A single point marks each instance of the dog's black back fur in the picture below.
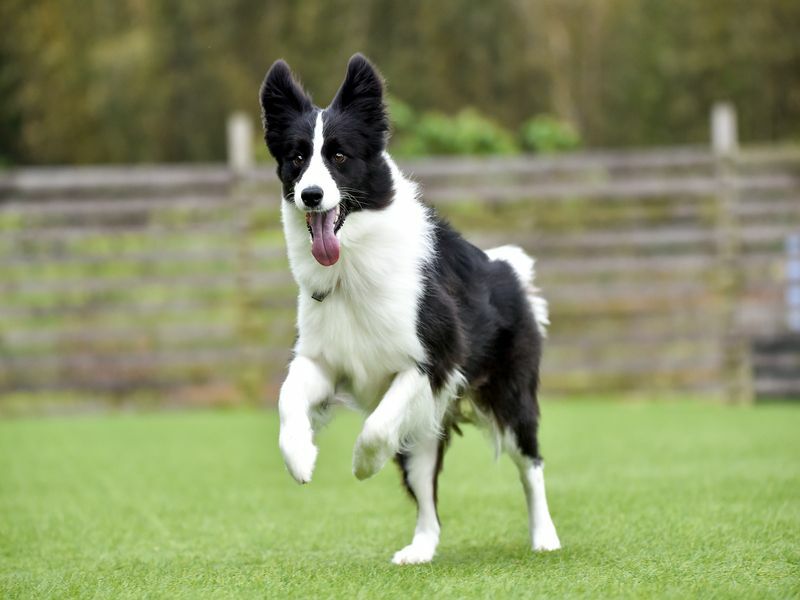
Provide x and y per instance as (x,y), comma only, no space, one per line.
(474,317)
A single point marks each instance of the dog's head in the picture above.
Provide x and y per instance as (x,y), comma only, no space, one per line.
(330,160)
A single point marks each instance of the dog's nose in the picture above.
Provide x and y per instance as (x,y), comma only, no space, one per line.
(312,196)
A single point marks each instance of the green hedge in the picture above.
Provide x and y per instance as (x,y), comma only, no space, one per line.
(472,133)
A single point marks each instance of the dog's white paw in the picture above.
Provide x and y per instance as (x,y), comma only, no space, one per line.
(415,553)
(545,538)
(371,452)
(299,453)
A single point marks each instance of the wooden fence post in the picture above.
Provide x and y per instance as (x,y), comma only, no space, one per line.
(250,377)
(725,145)
(240,143)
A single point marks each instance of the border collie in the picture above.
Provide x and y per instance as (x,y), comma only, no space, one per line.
(398,316)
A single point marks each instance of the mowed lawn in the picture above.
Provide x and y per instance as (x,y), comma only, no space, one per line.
(667,500)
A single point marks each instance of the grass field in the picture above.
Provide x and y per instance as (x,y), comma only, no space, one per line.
(668,500)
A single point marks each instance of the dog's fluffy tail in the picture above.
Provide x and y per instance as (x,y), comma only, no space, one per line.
(523,266)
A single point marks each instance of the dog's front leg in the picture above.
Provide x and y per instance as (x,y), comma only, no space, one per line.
(407,410)
(306,387)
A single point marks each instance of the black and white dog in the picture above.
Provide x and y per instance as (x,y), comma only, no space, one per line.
(398,315)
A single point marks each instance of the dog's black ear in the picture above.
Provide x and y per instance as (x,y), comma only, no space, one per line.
(282,99)
(362,92)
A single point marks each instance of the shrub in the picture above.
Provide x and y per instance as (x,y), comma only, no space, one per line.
(401,115)
(548,134)
(468,132)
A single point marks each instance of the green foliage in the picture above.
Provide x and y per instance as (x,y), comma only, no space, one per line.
(402,116)
(432,133)
(468,132)
(650,501)
(547,134)
(140,81)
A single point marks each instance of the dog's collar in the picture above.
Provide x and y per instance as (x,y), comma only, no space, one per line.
(320,296)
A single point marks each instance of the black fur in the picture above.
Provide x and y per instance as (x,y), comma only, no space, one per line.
(286,113)
(358,108)
(354,124)
(475,317)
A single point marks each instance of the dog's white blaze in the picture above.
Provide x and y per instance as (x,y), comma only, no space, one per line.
(317,173)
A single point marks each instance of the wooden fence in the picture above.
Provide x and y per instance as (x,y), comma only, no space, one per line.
(660,266)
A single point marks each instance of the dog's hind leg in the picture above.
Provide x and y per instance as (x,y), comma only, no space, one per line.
(542,530)
(522,445)
(421,465)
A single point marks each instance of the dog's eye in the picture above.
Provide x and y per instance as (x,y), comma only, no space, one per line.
(339,158)
(297,161)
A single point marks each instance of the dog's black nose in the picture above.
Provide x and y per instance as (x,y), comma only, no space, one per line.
(312,196)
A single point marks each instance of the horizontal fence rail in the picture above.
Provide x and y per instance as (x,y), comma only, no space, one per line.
(655,263)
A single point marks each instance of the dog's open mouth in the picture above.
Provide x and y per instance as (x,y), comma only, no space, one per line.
(323,227)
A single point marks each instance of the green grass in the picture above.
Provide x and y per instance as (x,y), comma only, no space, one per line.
(668,500)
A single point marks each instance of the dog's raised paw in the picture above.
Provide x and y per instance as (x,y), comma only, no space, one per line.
(414,554)
(370,454)
(299,454)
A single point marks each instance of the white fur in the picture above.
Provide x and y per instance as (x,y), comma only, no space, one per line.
(405,412)
(317,174)
(523,266)
(421,466)
(365,331)
(306,387)
(364,334)
(540,524)
(422,455)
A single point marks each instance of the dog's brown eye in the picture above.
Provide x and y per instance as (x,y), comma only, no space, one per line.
(339,158)
(297,161)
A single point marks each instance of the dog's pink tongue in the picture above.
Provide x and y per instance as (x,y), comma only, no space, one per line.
(325,245)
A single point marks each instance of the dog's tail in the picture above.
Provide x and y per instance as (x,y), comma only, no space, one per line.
(523,266)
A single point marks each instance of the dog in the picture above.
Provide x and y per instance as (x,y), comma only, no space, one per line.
(398,316)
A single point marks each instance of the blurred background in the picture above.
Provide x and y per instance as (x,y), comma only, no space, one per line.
(646,153)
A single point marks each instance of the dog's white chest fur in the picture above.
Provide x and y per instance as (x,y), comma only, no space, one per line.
(364,331)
